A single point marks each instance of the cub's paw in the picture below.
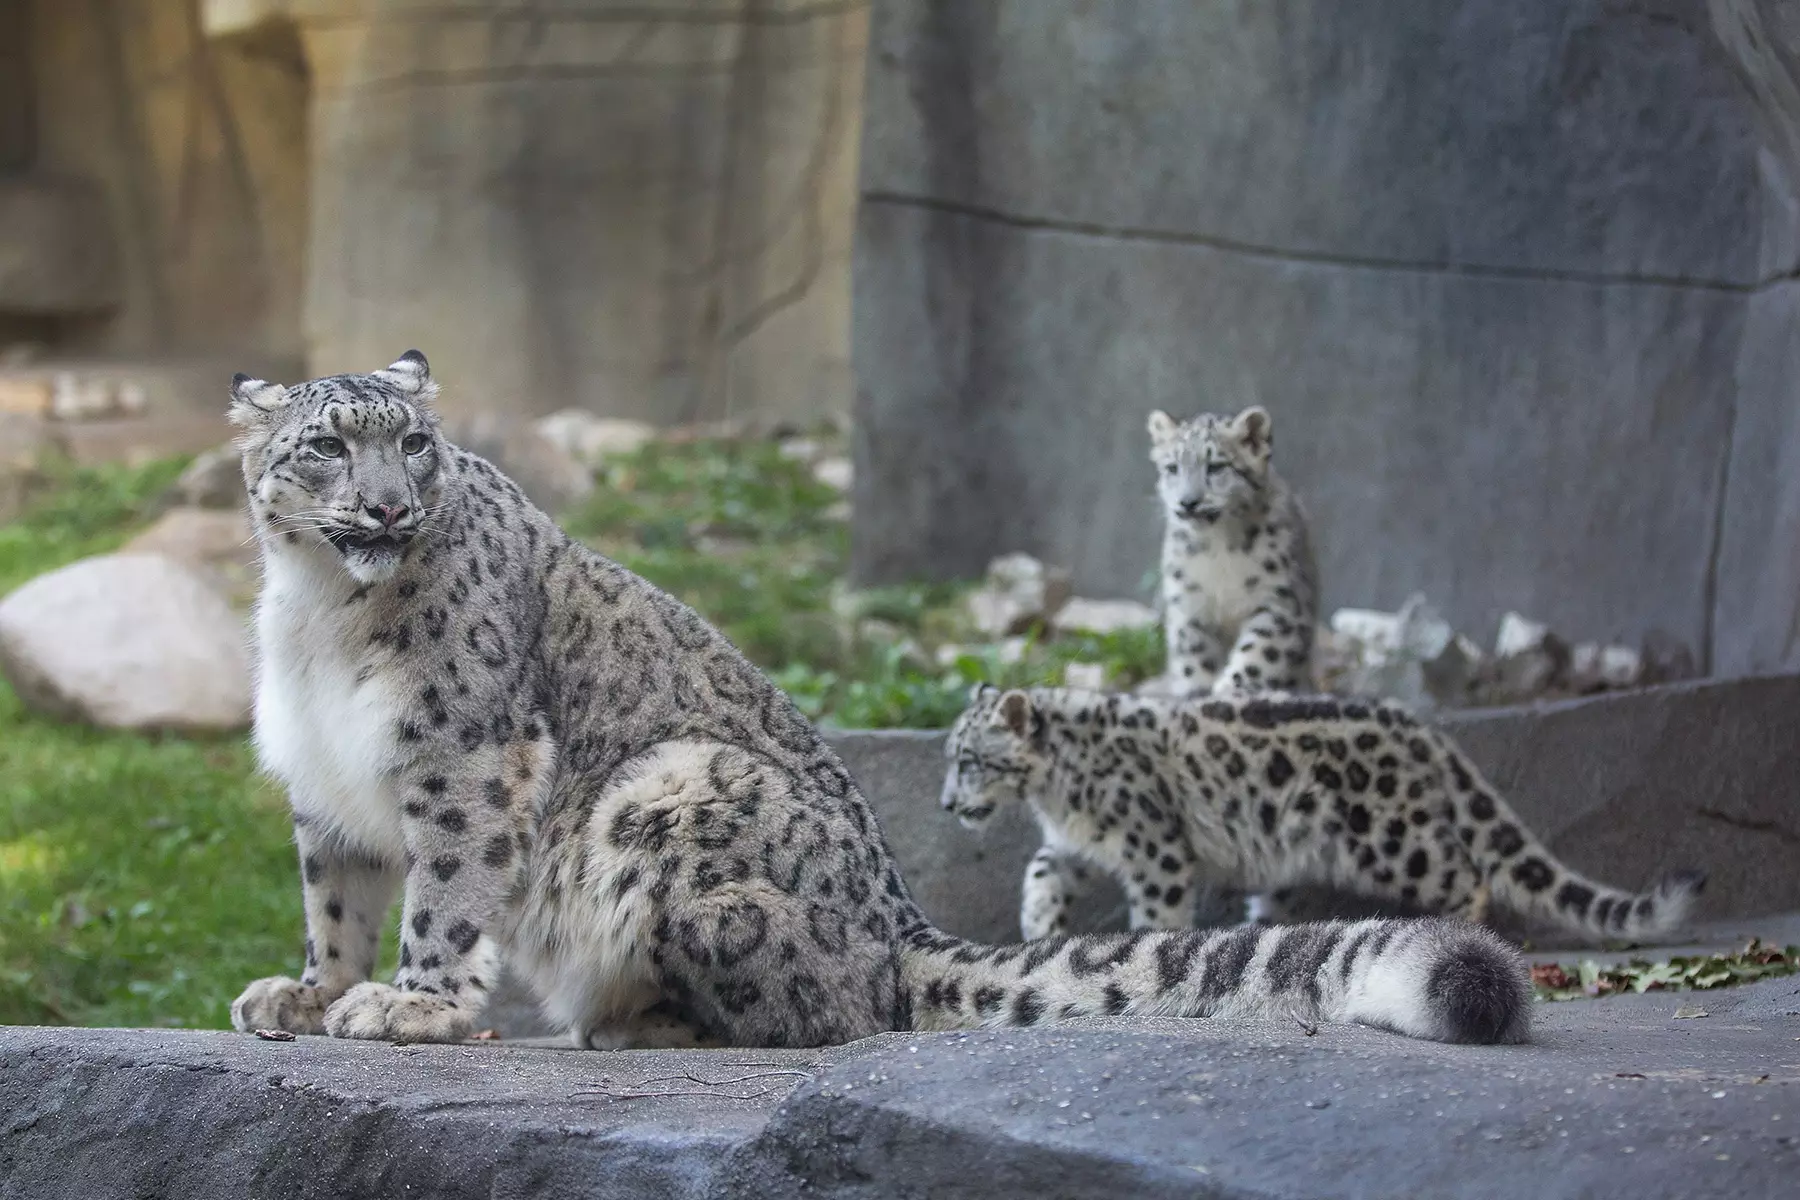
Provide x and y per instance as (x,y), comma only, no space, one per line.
(380,1013)
(280,1003)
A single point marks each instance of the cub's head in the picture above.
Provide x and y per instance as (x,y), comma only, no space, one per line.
(352,463)
(995,753)
(1211,466)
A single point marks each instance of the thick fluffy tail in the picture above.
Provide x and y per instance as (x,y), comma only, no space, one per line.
(1526,878)
(1436,978)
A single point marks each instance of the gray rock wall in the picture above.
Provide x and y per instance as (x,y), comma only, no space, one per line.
(1511,279)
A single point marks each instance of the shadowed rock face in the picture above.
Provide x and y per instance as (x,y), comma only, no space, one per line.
(1614,1098)
(1512,280)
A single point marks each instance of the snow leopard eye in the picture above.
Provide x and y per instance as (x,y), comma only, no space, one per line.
(1168,468)
(328,447)
(414,443)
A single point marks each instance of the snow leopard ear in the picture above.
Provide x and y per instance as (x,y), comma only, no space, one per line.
(254,401)
(1162,427)
(980,691)
(410,373)
(1015,713)
(1252,429)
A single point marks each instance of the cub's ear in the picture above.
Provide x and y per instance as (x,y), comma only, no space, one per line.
(979,690)
(411,374)
(1162,427)
(254,401)
(1015,713)
(1252,429)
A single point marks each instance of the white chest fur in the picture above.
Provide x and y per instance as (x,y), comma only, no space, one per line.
(329,738)
(1218,585)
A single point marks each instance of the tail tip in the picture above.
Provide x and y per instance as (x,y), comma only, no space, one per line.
(1482,992)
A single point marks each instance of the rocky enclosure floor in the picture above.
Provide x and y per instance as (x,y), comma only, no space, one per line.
(1614,1098)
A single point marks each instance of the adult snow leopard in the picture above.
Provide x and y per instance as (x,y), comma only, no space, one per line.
(561,765)
(1264,791)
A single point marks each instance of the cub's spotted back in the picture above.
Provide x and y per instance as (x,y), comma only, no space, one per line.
(1266,792)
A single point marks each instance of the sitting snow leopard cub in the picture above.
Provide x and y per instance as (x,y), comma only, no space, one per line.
(1239,584)
(555,763)
(1167,794)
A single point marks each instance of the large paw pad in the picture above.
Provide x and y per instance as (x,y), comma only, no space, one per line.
(378,1012)
(280,1003)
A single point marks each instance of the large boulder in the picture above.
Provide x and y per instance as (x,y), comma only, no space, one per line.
(127,641)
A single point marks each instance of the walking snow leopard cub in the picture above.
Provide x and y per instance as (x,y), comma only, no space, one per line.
(557,764)
(1167,795)
(1240,588)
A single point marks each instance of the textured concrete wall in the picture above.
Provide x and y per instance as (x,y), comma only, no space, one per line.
(1512,278)
(643,209)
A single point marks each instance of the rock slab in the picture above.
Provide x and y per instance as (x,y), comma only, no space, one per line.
(1613,1098)
(127,641)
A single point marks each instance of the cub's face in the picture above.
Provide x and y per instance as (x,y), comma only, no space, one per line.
(994,756)
(352,462)
(1212,466)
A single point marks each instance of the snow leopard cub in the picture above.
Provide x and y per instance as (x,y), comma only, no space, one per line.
(1263,791)
(1239,584)
(554,763)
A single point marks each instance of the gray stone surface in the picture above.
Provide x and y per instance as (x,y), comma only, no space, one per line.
(1507,276)
(1623,787)
(1613,1098)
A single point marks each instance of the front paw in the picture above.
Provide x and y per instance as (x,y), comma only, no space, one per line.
(280,1003)
(380,1013)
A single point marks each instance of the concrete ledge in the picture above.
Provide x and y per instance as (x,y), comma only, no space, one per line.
(1614,1098)
(1622,787)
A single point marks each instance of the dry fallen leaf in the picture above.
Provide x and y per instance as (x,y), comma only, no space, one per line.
(1686,1012)
(274,1035)
(488,1035)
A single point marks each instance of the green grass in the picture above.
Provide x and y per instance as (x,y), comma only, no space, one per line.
(145,880)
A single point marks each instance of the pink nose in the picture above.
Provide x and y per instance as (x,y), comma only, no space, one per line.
(387,514)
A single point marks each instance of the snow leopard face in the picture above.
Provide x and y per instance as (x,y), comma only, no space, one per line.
(1211,466)
(994,755)
(351,461)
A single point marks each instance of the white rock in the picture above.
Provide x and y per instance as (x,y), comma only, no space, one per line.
(1081,615)
(1366,626)
(127,641)
(1019,592)
(801,449)
(587,438)
(215,479)
(833,473)
(1519,635)
(1085,676)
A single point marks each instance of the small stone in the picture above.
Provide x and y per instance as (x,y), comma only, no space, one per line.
(834,473)
(1085,676)
(1666,658)
(801,450)
(588,439)
(215,479)
(26,396)
(127,641)
(554,479)
(1019,593)
(1081,615)
(1519,635)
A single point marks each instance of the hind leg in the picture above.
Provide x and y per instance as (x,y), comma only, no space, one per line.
(1053,882)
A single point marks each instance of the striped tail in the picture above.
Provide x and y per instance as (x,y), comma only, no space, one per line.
(1436,978)
(1526,878)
